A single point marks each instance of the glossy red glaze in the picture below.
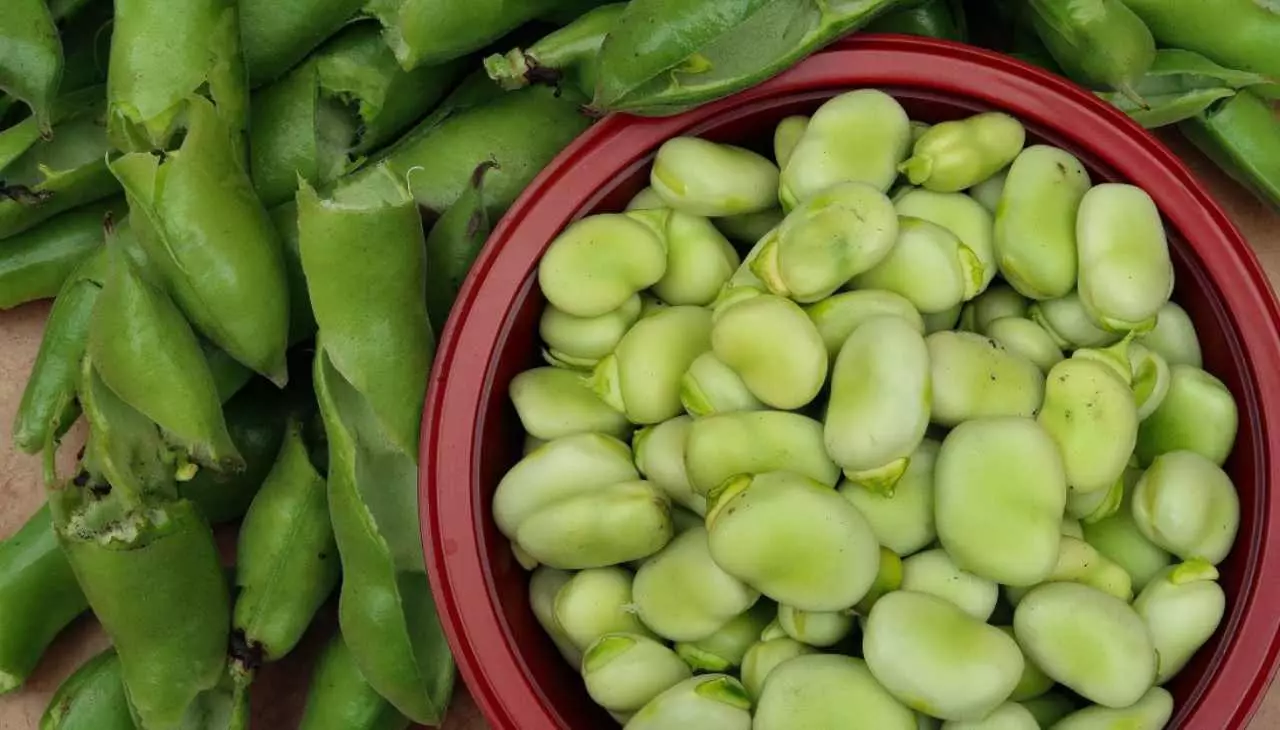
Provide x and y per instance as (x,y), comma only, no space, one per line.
(470,433)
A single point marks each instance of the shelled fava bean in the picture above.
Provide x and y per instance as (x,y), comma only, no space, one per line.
(948,455)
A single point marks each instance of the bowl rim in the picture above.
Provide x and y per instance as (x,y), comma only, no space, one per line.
(461,373)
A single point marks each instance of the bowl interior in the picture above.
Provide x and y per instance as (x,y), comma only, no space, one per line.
(500,436)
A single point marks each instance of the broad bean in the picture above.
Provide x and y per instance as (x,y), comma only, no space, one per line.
(707,700)
(1182,607)
(1079,562)
(767,655)
(973,376)
(996,302)
(682,594)
(929,266)
(624,672)
(1152,712)
(1091,507)
(1173,337)
(1009,716)
(544,587)
(933,572)
(1035,226)
(1091,415)
(955,155)
(699,261)
(341,699)
(836,317)
(1024,338)
(774,347)
(1034,682)
(990,191)
(595,602)
(581,342)
(901,521)
(755,442)
(660,456)
(553,403)
(1187,505)
(815,628)
(785,138)
(700,177)
(1126,274)
(828,691)
(1050,707)
(1067,321)
(961,215)
(710,387)
(613,524)
(748,228)
(726,648)
(277,35)
(1197,414)
(1179,85)
(642,377)
(944,320)
(1119,540)
(598,263)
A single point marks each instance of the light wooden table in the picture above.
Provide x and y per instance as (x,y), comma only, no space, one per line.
(280,690)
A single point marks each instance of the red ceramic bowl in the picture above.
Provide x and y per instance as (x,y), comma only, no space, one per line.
(470,433)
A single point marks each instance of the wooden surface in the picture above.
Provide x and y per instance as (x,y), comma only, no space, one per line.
(281,689)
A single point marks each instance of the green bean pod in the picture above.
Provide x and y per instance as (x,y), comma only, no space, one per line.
(287,562)
(566,55)
(974,377)
(370,390)
(881,396)
(1098,43)
(31,56)
(901,521)
(682,593)
(933,572)
(912,643)
(581,342)
(36,264)
(277,35)
(1153,711)
(1235,33)
(430,32)
(453,244)
(828,691)
(932,19)
(1182,607)
(858,136)
(961,215)
(707,52)
(48,405)
(348,99)
(826,240)
(659,455)
(1035,229)
(39,596)
(707,700)
(929,266)
(146,352)
(624,672)
(756,442)
(1236,134)
(92,698)
(164,56)
(519,131)
(955,155)
(340,698)
(1179,85)
(45,177)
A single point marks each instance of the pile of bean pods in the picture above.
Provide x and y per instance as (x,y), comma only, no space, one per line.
(937,450)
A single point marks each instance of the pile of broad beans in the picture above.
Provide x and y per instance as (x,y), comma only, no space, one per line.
(935,449)
(252,217)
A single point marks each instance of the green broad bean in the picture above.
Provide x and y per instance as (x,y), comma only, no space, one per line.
(918,129)
(815,628)
(765,656)
(755,442)
(1179,85)
(888,579)
(1197,414)
(710,387)
(705,701)
(749,228)
(1152,712)
(598,263)
(594,603)
(836,317)
(624,672)
(646,199)
(929,266)
(553,403)
(961,215)
(786,136)
(1067,321)
(1238,34)
(937,659)
(35,264)
(1026,339)
(1126,274)
(145,351)
(286,557)
(1118,539)
(1151,379)
(1079,562)
(1087,640)
(565,55)
(1004,471)
(700,177)
(1009,716)
(1097,43)
(1236,134)
(340,698)
(934,573)
(1091,415)
(682,594)
(828,691)
(858,136)
(612,524)
(1071,527)
(956,155)
(1051,707)
(901,521)
(660,456)
(881,395)
(581,342)
(39,597)
(996,302)
(1034,682)
(566,467)
(761,528)
(1173,337)
(774,347)
(945,320)
(642,377)
(165,58)
(1187,505)
(1182,607)
(1035,225)
(829,238)
(989,192)
(32,59)
(973,376)
(726,648)
(92,698)
(704,53)
(1098,505)
(430,32)
(544,587)
(699,261)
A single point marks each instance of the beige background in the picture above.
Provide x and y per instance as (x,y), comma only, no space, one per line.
(280,690)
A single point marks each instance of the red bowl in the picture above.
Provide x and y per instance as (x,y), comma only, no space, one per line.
(471,435)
